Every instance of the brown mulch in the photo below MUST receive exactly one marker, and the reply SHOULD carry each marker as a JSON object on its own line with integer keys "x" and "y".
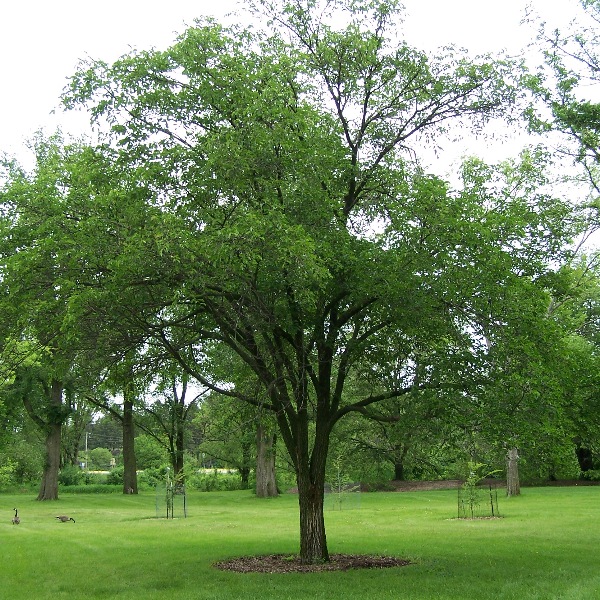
{"x": 284, "y": 563}
{"x": 425, "y": 486}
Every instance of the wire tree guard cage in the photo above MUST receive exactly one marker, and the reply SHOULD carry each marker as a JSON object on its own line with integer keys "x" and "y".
{"x": 478, "y": 501}
{"x": 171, "y": 498}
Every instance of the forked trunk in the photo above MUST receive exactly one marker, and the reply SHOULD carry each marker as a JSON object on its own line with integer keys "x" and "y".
{"x": 309, "y": 465}
{"x": 313, "y": 542}
{"x": 310, "y": 476}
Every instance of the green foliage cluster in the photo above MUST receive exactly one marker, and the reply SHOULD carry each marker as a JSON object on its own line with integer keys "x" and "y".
{"x": 71, "y": 475}
{"x": 7, "y": 474}
{"x": 100, "y": 459}
{"x": 213, "y": 480}
{"x": 149, "y": 453}
{"x": 472, "y": 496}
{"x": 591, "y": 475}
{"x": 115, "y": 476}
{"x": 21, "y": 462}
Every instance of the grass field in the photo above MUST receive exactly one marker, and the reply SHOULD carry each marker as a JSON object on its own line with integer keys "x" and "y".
{"x": 546, "y": 546}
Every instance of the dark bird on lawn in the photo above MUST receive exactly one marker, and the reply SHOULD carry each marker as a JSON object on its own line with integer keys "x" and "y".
{"x": 16, "y": 520}
{"x": 65, "y": 519}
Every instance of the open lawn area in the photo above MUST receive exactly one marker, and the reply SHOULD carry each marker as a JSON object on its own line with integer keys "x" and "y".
{"x": 545, "y": 546}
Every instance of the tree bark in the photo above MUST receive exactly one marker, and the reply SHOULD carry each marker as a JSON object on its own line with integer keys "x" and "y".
{"x": 513, "y": 487}
{"x": 585, "y": 458}
{"x": 129, "y": 463}
{"x": 266, "y": 484}
{"x": 49, "y": 484}
{"x": 310, "y": 476}
{"x": 313, "y": 542}
{"x": 244, "y": 477}
{"x": 398, "y": 470}
{"x": 179, "y": 425}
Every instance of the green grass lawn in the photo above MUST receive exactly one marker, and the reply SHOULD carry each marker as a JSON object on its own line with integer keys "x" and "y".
{"x": 546, "y": 546}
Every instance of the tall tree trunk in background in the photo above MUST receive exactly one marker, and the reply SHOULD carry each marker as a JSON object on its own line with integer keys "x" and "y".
{"x": 585, "y": 458}
{"x": 179, "y": 439}
{"x": 266, "y": 484}
{"x": 129, "y": 463}
{"x": 245, "y": 468}
{"x": 513, "y": 487}
{"x": 52, "y": 427}
{"x": 244, "y": 477}
{"x": 398, "y": 470}
{"x": 399, "y": 459}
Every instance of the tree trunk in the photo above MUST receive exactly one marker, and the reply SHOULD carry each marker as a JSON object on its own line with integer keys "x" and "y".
{"x": 244, "y": 477}
{"x": 585, "y": 458}
{"x": 313, "y": 542}
{"x": 49, "y": 484}
{"x": 398, "y": 470}
{"x": 178, "y": 461}
{"x": 513, "y": 487}
{"x": 266, "y": 484}
{"x": 310, "y": 476}
{"x": 247, "y": 462}
{"x": 129, "y": 465}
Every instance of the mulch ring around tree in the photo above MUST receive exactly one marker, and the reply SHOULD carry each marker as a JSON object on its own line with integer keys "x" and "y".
{"x": 285, "y": 563}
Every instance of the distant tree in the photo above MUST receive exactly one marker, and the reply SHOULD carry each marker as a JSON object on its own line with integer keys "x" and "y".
{"x": 574, "y": 59}
{"x": 227, "y": 434}
{"x": 73, "y": 430}
{"x": 100, "y": 459}
{"x": 172, "y": 409}
{"x": 105, "y": 432}
{"x": 150, "y": 454}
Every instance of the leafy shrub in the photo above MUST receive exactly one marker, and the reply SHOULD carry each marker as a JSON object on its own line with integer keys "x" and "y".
{"x": 591, "y": 475}
{"x": 95, "y": 478}
{"x": 26, "y": 457}
{"x": 362, "y": 466}
{"x": 100, "y": 458}
{"x": 7, "y": 473}
{"x": 115, "y": 476}
{"x": 149, "y": 454}
{"x": 548, "y": 462}
{"x": 213, "y": 481}
{"x": 472, "y": 499}
{"x": 377, "y": 486}
{"x": 285, "y": 480}
{"x": 71, "y": 475}
{"x": 151, "y": 477}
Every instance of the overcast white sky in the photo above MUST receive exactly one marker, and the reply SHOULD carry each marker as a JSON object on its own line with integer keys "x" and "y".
{"x": 41, "y": 42}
